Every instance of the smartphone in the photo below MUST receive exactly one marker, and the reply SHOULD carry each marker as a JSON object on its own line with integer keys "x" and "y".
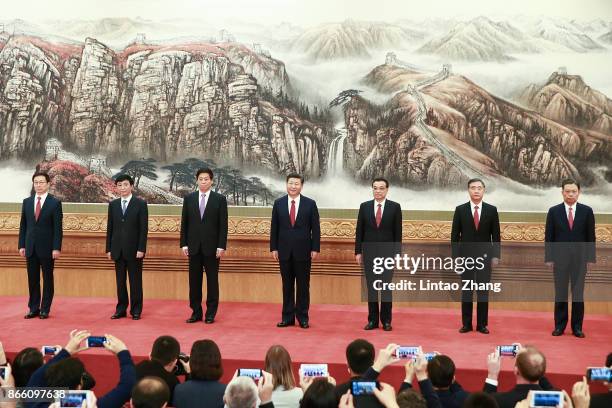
{"x": 407, "y": 351}
{"x": 508, "y": 350}
{"x": 254, "y": 373}
{"x": 428, "y": 356}
{"x": 74, "y": 399}
{"x": 49, "y": 350}
{"x": 599, "y": 374}
{"x": 5, "y": 372}
{"x": 363, "y": 388}
{"x": 542, "y": 399}
{"x": 95, "y": 341}
{"x": 314, "y": 370}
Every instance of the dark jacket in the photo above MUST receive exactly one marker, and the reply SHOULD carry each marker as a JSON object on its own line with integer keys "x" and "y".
{"x": 581, "y": 236}
{"x": 298, "y": 240}
{"x": 154, "y": 368}
{"x": 454, "y": 397}
{"x": 207, "y": 234}
{"x": 390, "y": 229}
{"x": 127, "y": 234}
{"x": 45, "y": 235}
{"x": 467, "y": 241}
{"x": 199, "y": 393}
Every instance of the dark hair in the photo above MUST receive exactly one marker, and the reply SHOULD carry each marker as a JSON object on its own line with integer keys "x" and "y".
{"x": 480, "y": 400}
{"x": 360, "y": 355}
{"x": 441, "y": 371}
{"x": 25, "y": 363}
{"x": 278, "y": 363}
{"x": 381, "y": 179}
{"x": 207, "y": 171}
{"x": 165, "y": 350}
{"x": 294, "y": 175}
{"x": 475, "y": 180}
{"x": 205, "y": 361}
{"x": 124, "y": 177}
{"x": 531, "y": 364}
{"x": 568, "y": 181}
{"x": 609, "y": 360}
{"x": 65, "y": 373}
{"x": 150, "y": 392}
{"x": 320, "y": 394}
{"x": 41, "y": 173}
{"x": 410, "y": 399}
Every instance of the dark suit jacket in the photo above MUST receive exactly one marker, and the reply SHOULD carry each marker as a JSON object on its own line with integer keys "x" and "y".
{"x": 303, "y": 237}
{"x": 208, "y": 234}
{"x": 44, "y": 235}
{"x": 390, "y": 229}
{"x": 127, "y": 234}
{"x": 557, "y": 230}
{"x": 601, "y": 400}
{"x": 199, "y": 393}
{"x": 154, "y": 368}
{"x": 466, "y": 241}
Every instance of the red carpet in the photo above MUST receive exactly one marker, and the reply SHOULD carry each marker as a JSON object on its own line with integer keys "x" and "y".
{"x": 244, "y": 331}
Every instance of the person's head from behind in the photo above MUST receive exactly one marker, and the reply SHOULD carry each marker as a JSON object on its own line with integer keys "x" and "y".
{"x": 480, "y": 400}
{"x": 278, "y": 363}
{"x": 150, "y": 392}
{"x": 241, "y": 392}
{"x": 410, "y": 399}
{"x": 67, "y": 373}
{"x": 165, "y": 351}
{"x": 320, "y": 394}
{"x": 441, "y": 372}
{"x": 359, "y": 356}
{"x": 25, "y": 363}
{"x": 205, "y": 361}
{"x": 530, "y": 365}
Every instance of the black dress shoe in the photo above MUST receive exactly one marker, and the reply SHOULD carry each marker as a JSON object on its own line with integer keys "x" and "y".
{"x": 304, "y": 325}
{"x": 285, "y": 324}
{"x": 118, "y": 316}
{"x": 209, "y": 320}
{"x": 371, "y": 326}
{"x": 44, "y": 315}
{"x": 465, "y": 329}
{"x": 31, "y": 315}
{"x": 579, "y": 334}
{"x": 482, "y": 330}
{"x": 387, "y": 327}
{"x": 557, "y": 332}
{"x": 136, "y": 317}
{"x": 193, "y": 319}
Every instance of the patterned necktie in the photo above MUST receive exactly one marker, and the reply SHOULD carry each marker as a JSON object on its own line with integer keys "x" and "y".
{"x": 123, "y": 206}
{"x": 378, "y": 215}
{"x": 476, "y": 218}
{"x": 292, "y": 213}
{"x": 37, "y": 210}
{"x": 570, "y": 218}
{"x": 202, "y": 206}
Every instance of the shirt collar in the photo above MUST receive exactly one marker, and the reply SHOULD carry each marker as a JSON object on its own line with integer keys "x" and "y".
{"x": 297, "y": 199}
{"x": 42, "y": 197}
{"x": 473, "y": 204}
{"x": 382, "y": 203}
{"x": 567, "y": 207}
{"x": 128, "y": 198}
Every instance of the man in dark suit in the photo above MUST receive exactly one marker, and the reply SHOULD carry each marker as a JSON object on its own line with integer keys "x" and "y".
{"x": 295, "y": 241}
{"x": 40, "y": 242}
{"x": 476, "y": 233}
{"x": 204, "y": 240}
{"x": 570, "y": 245}
{"x": 126, "y": 243}
{"x": 378, "y": 233}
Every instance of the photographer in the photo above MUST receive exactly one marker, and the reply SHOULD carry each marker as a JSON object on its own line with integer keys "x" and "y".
{"x": 163, "y": 363}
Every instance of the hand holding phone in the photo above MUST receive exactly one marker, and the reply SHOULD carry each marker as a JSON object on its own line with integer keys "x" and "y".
{"x": 544, "y": 399}
{"x": 75, "y": 399}
{"x": 408, "y": 351}
{"x": 510, "y": 350}
{"x": 95, "y": 341}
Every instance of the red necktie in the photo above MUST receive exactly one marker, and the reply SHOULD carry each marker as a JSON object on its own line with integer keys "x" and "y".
{"x": 570, "y": 218}
{"x": 292, "y": 213}
{"x": 476, "y": 217}
{"x": 378, "y": 215}
{"x": 37, "y": 210}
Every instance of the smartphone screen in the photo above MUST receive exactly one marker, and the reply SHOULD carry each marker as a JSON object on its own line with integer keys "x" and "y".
{"x": 509, "y": 351}
{"x": 546, "y": 399}
{"x": 363, "y": 387}
{"x": 96, "y": 341}
{"x": 407, "y": 351}
{"x": 73, "y": 399}
{"x": 599, "y": 374}
{"x": 254, "y": 373}
{"x": 314, "y": 370}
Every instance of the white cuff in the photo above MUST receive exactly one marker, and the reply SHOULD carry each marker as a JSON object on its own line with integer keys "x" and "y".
{"x": 492, "y": 382}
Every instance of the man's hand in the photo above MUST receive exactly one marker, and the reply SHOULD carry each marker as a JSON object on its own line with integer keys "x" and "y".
{"x": 140, "y": 254}
{"x": 314, "y": 255}
{"x": 567, "y": 401}
{"x": 22, "y": 252}
{"x": 55, "y": 254}
{"x": 265, "y": 387}
{"x": 114, "y": 344}
{"x": 386, "y": 396}
{"x": 494, "y": 261}
{"x": 76, "y": 338}
{"x": 346, "y": 401}
{"x": 185, "y": 251}
{"x": 385, "y": 357}
{"x": 2, "y": 355}
{"x": 186, "y": 366}
{"x": 220, "y": 252}
{"x": 358, "y": 259}
{"x": 305, "y": 382}
{"x": 409, "y": 366}
{"x": 420, "y": 367}
{"x": 275, "y": 255}
{"x": 493, "y": 365}
{"x": 580, "y": 394}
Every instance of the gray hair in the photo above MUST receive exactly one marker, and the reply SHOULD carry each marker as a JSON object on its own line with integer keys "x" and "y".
{"x": 241, "y": 392}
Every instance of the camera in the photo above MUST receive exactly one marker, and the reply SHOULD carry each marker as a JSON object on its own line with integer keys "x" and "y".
{"x": 178, "y": 368}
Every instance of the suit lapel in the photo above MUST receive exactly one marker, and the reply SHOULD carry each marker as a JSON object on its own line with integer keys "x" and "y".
{"x": 372, "y": 213}
{"x": 563, "y": 216}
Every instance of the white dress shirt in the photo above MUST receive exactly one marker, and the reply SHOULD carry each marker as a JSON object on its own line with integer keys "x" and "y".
{"x": 42, "y": 200}
{"x": 297, "y": 204}
{"x": 573, "y": 207}
{"x": 473, "y": 205}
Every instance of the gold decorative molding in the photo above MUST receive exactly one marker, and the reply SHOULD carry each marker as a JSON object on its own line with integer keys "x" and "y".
{"x": 331, "y": 228}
